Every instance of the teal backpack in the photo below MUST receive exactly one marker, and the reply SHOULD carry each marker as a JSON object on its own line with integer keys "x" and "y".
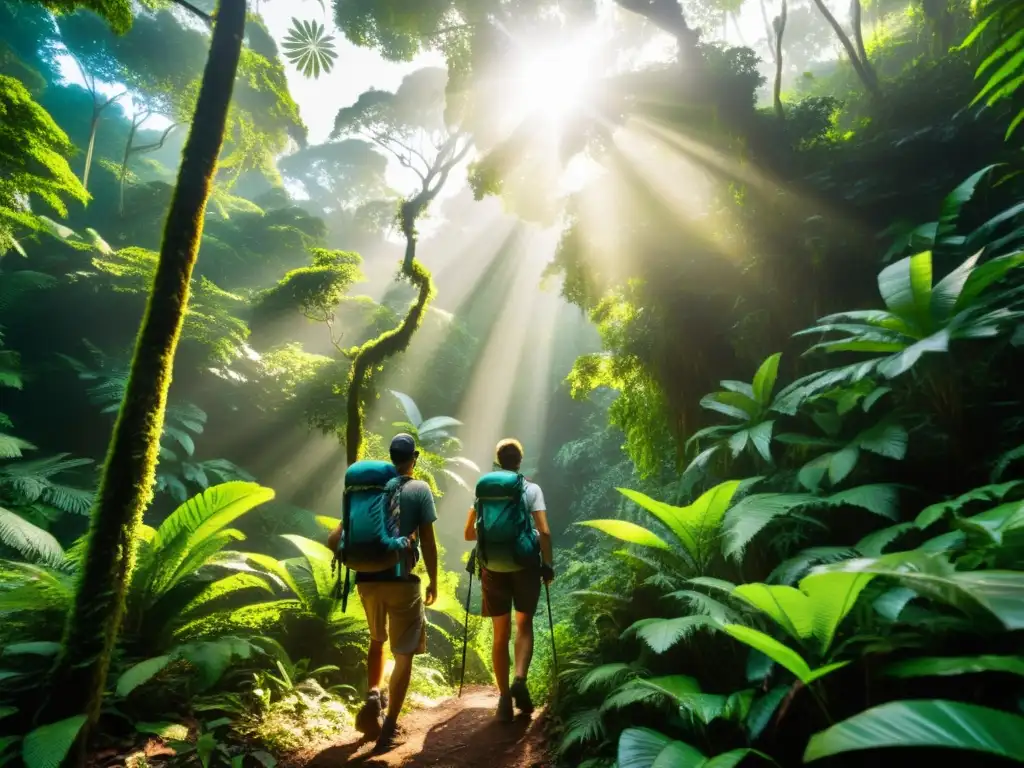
{"x": 370, "y": 540}
{"x": 506, "y": 539}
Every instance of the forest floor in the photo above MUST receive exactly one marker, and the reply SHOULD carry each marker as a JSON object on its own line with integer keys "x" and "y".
{"x": 457, "y": 733}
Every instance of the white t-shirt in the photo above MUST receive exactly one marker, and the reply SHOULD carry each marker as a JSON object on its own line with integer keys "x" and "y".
{"x": 534, "y": 497}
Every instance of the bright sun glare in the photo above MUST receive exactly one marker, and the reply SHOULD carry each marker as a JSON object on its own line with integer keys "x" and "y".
{"x": 553, "y": 81}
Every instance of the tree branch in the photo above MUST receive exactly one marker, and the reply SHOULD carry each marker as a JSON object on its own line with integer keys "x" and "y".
{"x": 866, "y": 76}
{"x": 195, "y": 11}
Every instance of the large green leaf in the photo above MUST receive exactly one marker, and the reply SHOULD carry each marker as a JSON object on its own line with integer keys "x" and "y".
{"x": 935, "y": 512}
{"x": 631, "y": 533}
{"x": 764, "y": 379}
{"x": 643, "y": 748}
{"x": 675, "y": 687}
{"x": 931, "y": 723}
{"x": 192, "y": 524}
{"x": 906, "y": 287}
{"x": 956, "y": 665}
{"x": 790, "y": 608}
{"x": 753, "y": 513}
{"x": 983, "y": 595}
{"x": 781, "y": 654}
{"x": 48, "y": 745}
{"x": 140, "y": 673}
{"x": 833, "y": 596}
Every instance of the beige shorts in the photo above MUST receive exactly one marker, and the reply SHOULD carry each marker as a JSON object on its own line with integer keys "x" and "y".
{"x": 396, "y": 606}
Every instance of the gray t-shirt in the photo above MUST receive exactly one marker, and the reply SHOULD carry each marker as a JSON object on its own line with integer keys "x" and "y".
{"x": 415, "y": 508}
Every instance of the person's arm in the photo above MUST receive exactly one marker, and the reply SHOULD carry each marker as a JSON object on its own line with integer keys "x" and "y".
{"x": 429, "y": 545}
{"x": 428, "y": 514}
{"x": 470, "y": 532}
{"x": 540, "y": 522}
{"x": 334, "y": 538}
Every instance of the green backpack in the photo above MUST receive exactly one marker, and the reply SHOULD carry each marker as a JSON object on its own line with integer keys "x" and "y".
{"x": 506, "y": 539}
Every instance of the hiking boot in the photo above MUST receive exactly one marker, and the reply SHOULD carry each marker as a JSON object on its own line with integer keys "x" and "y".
{"x": 388, "y": 738}
{"x": 505, "y": 712}
{"x": 521, "y": 696}
{"x": 368, "y": 718}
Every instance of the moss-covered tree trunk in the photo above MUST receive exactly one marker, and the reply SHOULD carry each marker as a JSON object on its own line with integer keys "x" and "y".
{"x": 129, "y": 471}
{"x": 374, "y": 352}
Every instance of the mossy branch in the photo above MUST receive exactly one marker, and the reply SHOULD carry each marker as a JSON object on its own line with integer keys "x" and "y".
{"x": 374, "y": 352}
{"x": 126, "y": 487}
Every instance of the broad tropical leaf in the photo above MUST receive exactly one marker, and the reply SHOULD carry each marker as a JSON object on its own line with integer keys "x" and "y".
{"x": 695, "y": 526}
{"x": 47, "y": 745}
{"x": 932, "y": 723}
{"x": 984, "y": 595}
{"x": 783, "y": 655}
{"x": 631, "y": 533}
{"x": 942, "y": 666}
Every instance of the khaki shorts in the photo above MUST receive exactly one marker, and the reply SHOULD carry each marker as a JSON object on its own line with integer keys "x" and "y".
{"x": 398, "y": 606}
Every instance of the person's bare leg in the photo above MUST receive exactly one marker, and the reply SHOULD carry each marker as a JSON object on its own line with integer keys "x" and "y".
{"x": 374, "y": 665}
{"x": 368, "y": 717}
{"x": 499, "y": 651}
{"x": 399, "y": 684}
{"x": 524, "y": 644}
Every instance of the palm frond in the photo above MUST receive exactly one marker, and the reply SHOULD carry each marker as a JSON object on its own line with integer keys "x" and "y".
{"x": 31, "y": 541}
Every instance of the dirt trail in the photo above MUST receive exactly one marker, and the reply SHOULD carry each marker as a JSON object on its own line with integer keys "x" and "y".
{"x": 458, "y": 733}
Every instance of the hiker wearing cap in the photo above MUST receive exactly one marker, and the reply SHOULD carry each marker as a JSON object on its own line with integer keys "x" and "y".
{"x": 510, "y": 525}
{"x": 389, "y": 516}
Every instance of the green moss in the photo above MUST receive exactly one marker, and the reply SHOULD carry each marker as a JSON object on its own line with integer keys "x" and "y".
{"x": 371, "y": 355}
{"x": 126, "y": 487}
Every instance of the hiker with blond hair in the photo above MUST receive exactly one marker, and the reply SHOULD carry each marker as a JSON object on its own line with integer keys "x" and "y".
{"x": 509, "y": 523}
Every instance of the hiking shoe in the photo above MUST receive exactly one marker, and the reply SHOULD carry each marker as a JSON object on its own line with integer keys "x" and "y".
{"x": 368, "y": 718}
{"x": 388, "y": 738}
{"x": 521, "y": 695}
{"x": 505, "y": 712}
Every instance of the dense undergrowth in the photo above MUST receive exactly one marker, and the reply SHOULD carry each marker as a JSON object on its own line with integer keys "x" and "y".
{"x": 801, "y": 433}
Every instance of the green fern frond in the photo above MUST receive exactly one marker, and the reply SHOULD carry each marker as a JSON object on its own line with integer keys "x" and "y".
{"x": 31, "y": 541}
{"x": 604, "y": 676}
{"x": 11, "y": 446}
{"x": 582, "y": 728}
{"x": 629, "y": 694}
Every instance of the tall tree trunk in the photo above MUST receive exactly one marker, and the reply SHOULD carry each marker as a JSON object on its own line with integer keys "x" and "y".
{"x": 779, "y": 26}
{"x": 769, "y": 33}
{"x": 374, "y": 352}
{"x": 857, "y": 22}
{"x": 94, "y": 124}
{"x": 126, "y": 487}
{"x": 866, "y": 76}
{"x": 124, "y": 161}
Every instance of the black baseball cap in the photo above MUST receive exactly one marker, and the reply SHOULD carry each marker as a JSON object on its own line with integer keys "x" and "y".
{"x": 403, "y": 447}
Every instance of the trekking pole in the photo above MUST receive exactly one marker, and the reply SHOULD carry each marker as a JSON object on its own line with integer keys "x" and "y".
{"x": 470, "y": 566}
{"x": 551, "y": 625}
